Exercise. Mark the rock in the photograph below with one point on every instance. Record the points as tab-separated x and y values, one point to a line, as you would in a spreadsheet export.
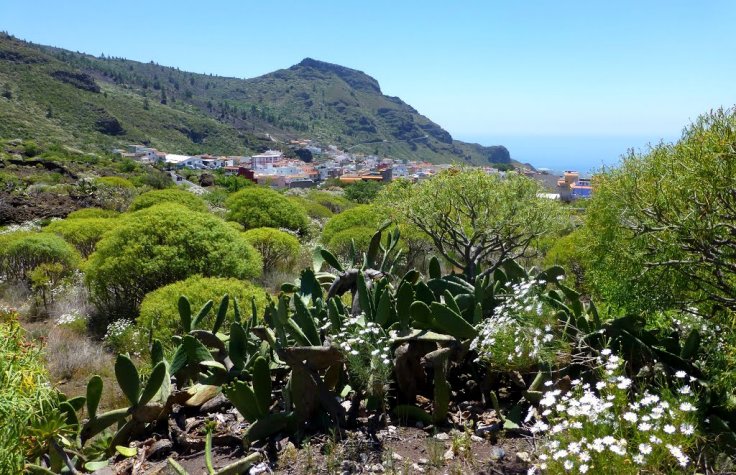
483	430
259	469
348	466
523	457
417	469
449	455
396	457
442	436
419	425
475	438
391	429
206	179
376	468
423	461
497	453
160	449
217	404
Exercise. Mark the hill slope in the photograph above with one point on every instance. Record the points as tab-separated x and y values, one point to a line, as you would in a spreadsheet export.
55	94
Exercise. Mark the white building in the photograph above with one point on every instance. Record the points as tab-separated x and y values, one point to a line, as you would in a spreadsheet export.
183	161
266	158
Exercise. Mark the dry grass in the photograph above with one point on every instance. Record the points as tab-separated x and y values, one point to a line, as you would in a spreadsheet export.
73	356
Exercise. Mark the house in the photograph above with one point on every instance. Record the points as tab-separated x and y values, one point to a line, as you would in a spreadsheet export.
571	187
269	157
183	161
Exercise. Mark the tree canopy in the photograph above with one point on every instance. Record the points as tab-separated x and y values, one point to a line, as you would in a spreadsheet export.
21	252
476	221
82	233
160	245
668	217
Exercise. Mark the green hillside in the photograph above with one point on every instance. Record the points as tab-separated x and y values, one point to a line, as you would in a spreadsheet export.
50	94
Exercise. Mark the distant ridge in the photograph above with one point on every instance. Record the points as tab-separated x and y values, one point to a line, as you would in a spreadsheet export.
52	94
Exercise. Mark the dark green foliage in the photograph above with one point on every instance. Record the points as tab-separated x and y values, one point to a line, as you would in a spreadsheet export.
364	191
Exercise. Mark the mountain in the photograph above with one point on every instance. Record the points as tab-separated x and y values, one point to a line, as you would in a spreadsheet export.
51	94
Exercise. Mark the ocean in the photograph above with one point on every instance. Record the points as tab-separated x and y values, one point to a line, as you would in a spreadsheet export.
584	154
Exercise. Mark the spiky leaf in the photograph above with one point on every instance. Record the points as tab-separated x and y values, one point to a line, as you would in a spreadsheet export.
185	313
94	394
221	313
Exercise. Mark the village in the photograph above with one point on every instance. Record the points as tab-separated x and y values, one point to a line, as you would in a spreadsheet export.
314	165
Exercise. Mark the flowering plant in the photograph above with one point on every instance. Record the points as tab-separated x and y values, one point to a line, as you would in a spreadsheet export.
598	428
366	347
519	334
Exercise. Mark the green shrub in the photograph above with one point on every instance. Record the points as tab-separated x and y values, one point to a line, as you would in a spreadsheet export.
168	195
21	252
363	191
367	216
258	207
82	233
332	201
159	311
160	245
314	209
92	213
114	182
278	249
26	393
340	243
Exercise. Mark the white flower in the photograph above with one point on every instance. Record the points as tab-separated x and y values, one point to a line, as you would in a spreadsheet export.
568	465
630	417
669	429
638	459
681	374
676	452
583	468
645	426
645	449
687	407
687	429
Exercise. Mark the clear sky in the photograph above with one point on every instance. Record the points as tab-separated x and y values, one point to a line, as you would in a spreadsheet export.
627	72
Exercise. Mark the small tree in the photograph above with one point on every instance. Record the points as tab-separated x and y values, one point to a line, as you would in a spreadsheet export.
82	233
21	252
668	217
363	191
475	220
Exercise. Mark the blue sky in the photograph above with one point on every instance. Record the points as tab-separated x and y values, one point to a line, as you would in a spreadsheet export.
532	73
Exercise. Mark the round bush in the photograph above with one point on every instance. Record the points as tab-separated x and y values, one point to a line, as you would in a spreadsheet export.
259	207
82	233
160	245
114	182
361	216
314	210
278	249
332	201
159	310
21	252
92	213
168	195
340	244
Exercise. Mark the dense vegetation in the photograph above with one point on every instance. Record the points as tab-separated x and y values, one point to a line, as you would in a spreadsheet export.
604	334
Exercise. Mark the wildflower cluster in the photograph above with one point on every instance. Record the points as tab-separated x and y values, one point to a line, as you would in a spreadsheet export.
27	226
519	334
597	428
73	320
366	347
122	336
